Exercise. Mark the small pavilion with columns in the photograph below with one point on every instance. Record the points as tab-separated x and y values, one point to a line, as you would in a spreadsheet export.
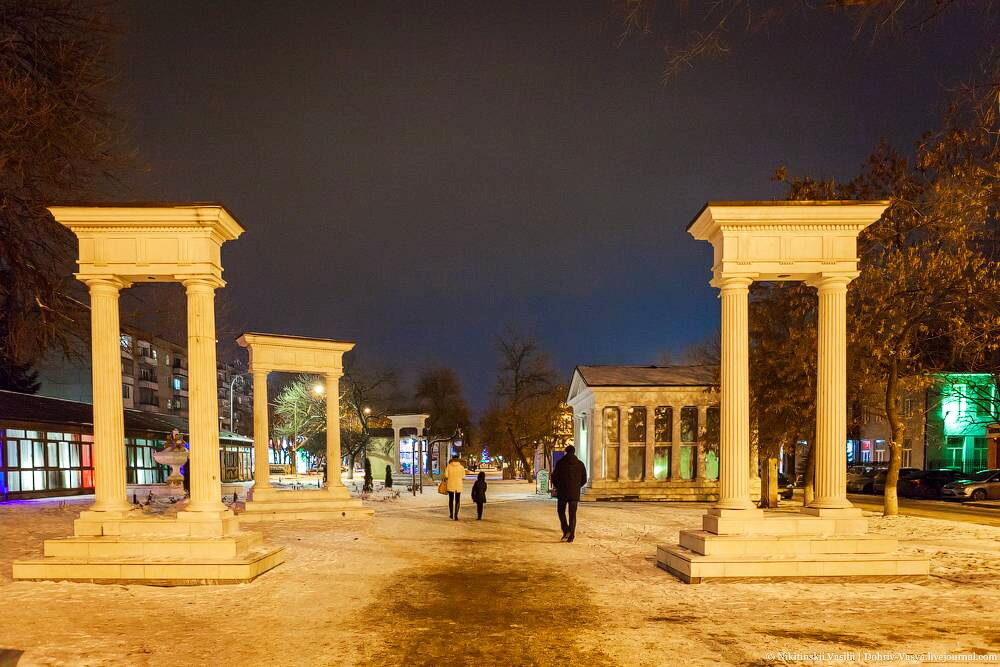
322	357
647	432
113	542
815	242
407	429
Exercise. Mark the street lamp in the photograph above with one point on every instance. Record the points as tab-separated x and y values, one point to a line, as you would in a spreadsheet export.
239	377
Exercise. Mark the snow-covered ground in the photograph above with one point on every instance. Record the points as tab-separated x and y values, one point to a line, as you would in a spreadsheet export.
412	587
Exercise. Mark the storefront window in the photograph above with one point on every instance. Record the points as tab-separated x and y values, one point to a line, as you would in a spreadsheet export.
612	438
663	424
611	430
661	462
689	424
637	425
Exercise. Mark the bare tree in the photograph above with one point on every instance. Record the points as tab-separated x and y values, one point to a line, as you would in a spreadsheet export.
925	301
58	140
526	406
711	30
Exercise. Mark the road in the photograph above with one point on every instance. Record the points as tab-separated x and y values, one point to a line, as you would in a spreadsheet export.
934	509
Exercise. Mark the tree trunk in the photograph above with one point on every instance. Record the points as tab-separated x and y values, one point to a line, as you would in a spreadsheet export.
891	501
527	465
809	474
769	483
350	468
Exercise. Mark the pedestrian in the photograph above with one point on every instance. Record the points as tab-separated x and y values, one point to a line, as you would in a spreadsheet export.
568	477
454	475
479	494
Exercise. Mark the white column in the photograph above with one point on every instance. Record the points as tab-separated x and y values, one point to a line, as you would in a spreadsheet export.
203	403
596	470
395	440
334	485
734	447
108	448
831	393
261	431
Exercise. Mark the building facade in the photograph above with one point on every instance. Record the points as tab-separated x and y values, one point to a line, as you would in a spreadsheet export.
647	432
155	379
45	447
945	425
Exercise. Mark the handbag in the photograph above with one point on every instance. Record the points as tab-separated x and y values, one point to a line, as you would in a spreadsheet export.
443	487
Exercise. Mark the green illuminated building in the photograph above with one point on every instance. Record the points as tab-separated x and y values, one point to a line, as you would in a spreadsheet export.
960	407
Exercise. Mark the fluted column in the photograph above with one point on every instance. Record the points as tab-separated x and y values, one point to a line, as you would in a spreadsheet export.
597	443
831	393
261	432
734	448
334	484
203	403
108	449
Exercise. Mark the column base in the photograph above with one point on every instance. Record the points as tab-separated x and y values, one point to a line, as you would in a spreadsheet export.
781	546
833	512
190	549
727	513
276	505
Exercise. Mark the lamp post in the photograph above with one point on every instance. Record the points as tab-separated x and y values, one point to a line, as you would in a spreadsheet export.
232	385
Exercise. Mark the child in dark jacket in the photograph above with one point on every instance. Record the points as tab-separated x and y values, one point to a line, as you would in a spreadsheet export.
479	494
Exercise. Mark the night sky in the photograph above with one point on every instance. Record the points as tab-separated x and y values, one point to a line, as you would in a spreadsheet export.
416	176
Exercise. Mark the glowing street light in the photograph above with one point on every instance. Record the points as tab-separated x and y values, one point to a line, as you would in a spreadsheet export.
319	389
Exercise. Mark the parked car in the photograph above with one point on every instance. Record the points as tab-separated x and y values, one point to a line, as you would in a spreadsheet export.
926	483
980	486
878	482
861	479
785	486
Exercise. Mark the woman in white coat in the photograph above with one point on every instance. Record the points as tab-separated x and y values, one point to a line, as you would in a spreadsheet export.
454	475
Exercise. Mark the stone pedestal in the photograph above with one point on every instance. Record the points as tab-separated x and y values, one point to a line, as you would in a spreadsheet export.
279	505
787	546
133	548
691	490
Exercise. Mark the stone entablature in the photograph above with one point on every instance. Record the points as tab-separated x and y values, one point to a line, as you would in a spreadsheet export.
150	243
784	240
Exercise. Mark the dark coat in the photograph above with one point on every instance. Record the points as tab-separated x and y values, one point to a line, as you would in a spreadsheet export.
568	477
479	491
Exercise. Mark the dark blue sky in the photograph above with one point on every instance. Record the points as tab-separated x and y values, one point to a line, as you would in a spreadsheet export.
415	176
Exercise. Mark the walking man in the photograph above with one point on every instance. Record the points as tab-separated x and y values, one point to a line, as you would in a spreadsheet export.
568	477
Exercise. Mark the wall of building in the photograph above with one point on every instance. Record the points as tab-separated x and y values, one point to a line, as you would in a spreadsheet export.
689	473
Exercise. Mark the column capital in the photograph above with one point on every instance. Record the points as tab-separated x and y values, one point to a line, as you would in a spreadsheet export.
832	281
203	282
336	375
105	282
733	282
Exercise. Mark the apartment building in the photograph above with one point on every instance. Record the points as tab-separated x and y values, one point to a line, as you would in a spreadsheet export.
155	380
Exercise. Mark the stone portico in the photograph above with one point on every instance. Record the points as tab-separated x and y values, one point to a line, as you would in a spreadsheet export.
323	357
647	432
112	541
815	242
